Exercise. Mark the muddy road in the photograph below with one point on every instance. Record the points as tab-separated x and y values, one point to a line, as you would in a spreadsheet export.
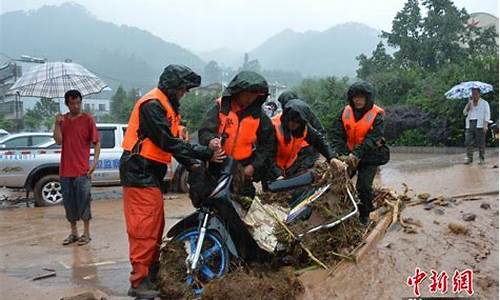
30	240
30	243
383	272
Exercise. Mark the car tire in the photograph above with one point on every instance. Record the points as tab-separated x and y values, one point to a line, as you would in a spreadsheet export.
48	191
183	186
164	186
180	180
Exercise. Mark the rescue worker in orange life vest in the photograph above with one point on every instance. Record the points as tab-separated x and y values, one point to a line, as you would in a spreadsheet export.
357	135
237	124
307	156
292	131
150	142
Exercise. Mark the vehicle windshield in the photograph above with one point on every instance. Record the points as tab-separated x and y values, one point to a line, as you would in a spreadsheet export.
25	141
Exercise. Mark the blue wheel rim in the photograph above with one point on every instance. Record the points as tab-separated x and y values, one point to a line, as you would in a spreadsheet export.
216	249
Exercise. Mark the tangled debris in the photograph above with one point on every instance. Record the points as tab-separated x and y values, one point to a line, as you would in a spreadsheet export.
328	245
324	248
280	198
324	174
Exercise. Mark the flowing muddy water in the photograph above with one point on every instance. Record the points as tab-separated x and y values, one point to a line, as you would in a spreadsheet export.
383	272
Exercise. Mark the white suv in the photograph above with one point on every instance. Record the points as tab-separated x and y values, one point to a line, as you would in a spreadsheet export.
36	167
25	140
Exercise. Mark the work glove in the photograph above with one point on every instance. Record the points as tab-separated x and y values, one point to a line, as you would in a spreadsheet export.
352	162
343	158
337	164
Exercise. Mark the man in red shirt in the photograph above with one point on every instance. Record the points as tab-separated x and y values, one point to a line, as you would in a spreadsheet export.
76	131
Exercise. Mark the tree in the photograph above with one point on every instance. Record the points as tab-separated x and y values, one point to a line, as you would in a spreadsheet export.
432	41
326	96
394	86
193	109
122	104
212	72
406	34
442	30
8	125
134	95
42	115
378	62
480	41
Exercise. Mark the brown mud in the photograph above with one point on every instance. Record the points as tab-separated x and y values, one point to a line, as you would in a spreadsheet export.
258	282
172	273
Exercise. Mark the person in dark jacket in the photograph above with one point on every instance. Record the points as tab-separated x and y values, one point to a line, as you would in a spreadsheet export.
292	132
238	125
311	118
151	139
358	135
308	154
286	96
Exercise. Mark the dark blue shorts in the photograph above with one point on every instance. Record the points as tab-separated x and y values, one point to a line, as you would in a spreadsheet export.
76	197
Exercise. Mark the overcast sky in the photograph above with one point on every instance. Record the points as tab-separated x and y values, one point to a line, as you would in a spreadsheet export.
239	24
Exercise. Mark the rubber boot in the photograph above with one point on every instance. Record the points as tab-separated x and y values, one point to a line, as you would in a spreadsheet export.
145	290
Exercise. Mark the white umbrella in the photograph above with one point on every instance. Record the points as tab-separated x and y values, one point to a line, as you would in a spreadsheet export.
52	80
464	89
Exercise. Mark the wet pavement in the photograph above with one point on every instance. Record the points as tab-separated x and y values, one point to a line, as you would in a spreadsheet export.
440	174
30	238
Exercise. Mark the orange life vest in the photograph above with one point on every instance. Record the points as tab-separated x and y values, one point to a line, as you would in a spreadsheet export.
356	131
304	143
146	147
240	135
286	154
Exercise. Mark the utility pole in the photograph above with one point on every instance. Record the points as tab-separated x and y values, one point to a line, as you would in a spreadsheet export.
16	106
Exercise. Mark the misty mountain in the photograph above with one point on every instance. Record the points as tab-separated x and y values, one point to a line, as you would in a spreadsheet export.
318	53
223	56
133	56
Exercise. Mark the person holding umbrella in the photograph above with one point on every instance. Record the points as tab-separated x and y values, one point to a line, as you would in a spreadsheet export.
477	112
76	131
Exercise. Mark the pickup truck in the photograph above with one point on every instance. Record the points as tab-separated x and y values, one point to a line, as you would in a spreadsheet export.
36	169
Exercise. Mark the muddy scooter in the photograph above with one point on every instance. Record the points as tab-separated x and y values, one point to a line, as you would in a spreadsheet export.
207	234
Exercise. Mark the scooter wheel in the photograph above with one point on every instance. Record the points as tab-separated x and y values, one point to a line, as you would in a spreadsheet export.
214	258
